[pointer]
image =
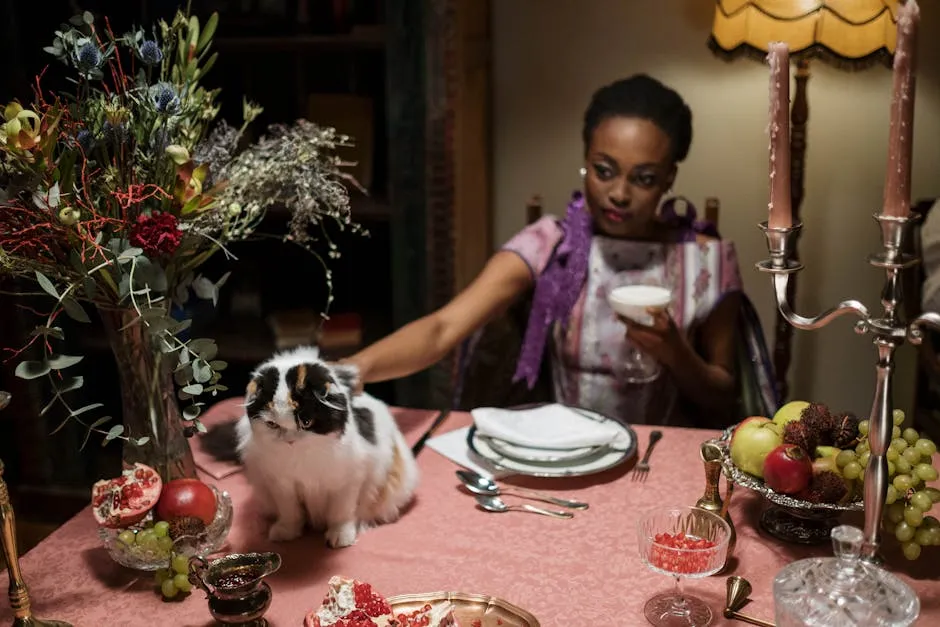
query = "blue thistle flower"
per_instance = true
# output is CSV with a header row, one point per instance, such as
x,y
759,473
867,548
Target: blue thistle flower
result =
x,y
115,131
165,99
150,53
86,140
89,56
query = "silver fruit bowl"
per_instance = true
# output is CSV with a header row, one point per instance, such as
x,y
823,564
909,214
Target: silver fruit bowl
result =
x,y
152,555
787,518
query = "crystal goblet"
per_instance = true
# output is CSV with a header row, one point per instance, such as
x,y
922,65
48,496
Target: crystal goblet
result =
x,y
681,542
634,303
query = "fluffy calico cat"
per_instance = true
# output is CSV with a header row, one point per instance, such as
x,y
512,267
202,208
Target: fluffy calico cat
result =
x,y
315,453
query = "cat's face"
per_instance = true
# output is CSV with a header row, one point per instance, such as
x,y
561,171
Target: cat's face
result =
x,y
307,398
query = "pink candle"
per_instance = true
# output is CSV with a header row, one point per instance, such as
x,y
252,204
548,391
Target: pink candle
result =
x,y
901,135
781,213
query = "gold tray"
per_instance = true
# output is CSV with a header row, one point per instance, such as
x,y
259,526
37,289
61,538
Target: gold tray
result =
x,y
468,607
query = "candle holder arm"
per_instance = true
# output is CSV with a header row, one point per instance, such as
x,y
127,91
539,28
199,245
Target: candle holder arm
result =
x,y
915,331
817,322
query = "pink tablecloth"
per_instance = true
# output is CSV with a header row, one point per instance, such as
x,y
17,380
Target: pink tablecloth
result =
x,y
576,573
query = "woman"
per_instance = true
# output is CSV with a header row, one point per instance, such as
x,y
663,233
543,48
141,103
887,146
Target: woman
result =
x,y
636,132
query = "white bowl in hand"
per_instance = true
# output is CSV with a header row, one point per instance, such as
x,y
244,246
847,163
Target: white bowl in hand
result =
x,y
634,301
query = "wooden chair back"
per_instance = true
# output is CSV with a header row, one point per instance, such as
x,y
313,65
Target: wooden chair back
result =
x,y
926,413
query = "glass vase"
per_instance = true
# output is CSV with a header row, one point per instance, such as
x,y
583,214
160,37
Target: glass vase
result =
x,y
148,399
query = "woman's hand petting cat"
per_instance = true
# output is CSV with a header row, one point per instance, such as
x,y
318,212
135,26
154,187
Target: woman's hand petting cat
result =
x,y
662,340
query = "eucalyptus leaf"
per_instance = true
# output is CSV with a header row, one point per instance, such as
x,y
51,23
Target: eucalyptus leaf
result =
x,y
46,284
55,332
182,294
75,310
91,289
184,355
181,326
184,374
85,409
114,432
32,369
201,428
218,365
202,372
61,362
91,429
204,288
201,346
191,413
97,423
142,441
88,18
194,389
130,253
124,288
72,383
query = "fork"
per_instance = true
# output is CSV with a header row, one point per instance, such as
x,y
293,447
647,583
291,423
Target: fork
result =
x,y
642,469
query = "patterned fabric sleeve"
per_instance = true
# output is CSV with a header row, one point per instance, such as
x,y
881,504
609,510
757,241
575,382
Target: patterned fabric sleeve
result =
x,y
536,243
730,270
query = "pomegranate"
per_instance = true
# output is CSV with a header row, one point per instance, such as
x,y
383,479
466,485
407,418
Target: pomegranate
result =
x,y
125,500
187,497
788,469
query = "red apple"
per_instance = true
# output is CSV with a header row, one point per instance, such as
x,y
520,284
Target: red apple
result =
x,y
751,441
788,469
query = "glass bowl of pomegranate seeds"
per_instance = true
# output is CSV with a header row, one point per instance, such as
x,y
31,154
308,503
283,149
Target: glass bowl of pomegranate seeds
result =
x,y
681,542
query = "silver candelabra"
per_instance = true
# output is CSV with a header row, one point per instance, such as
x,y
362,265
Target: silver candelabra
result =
x,y
888,332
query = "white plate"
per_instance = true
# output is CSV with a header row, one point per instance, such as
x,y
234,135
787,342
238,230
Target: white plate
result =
x,y
542,455
603,458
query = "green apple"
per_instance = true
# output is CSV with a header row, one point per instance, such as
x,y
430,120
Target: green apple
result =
x,y
790,412
752,441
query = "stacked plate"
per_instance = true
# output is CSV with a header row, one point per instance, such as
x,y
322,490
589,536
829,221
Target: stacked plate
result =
x,y
549,440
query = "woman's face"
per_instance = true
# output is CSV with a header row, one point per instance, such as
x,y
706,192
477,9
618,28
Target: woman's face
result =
x,y
629,167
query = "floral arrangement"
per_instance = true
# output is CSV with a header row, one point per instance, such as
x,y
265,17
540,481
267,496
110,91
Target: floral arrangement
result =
x,y
114,195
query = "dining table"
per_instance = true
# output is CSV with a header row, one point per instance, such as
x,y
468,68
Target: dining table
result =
x,y
578,572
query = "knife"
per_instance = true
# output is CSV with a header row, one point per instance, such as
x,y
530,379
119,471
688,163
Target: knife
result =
x,y
441,417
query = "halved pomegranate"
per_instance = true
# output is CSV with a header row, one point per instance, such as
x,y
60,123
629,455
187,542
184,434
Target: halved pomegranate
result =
x,y
125,500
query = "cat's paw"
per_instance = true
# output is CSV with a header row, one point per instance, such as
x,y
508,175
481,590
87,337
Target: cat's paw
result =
x,y
283,532
341,535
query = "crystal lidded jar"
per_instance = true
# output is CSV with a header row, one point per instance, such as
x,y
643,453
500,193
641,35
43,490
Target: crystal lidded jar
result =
x,y
842,591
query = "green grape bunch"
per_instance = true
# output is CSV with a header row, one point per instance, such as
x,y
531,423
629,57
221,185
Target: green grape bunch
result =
x,y
909,498
174,580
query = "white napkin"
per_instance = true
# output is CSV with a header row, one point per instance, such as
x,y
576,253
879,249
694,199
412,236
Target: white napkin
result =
x,y
453,446
548,426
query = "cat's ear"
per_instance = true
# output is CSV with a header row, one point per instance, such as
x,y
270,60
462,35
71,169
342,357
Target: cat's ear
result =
x,y
260,391
347,375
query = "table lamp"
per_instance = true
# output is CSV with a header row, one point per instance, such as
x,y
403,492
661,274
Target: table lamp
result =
x,y
18,592
848,34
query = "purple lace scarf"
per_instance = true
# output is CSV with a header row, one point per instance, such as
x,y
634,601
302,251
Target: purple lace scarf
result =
x,y
559,286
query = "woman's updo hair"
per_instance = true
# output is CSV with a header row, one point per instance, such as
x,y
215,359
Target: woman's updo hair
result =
x,y
644,97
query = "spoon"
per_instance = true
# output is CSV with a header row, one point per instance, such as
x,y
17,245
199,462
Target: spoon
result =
x,y
478,484
495,504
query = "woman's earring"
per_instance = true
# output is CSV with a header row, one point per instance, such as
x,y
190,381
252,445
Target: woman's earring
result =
x,y
582,172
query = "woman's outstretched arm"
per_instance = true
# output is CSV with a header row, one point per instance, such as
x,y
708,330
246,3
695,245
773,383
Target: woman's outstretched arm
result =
x,y
427,340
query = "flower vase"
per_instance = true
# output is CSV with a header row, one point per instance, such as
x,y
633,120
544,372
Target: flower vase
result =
x,y
149,405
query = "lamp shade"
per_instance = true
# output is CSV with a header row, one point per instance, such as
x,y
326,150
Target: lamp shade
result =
x,y
852,34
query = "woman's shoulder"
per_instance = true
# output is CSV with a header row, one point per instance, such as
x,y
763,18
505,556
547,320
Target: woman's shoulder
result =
x,y
537,242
